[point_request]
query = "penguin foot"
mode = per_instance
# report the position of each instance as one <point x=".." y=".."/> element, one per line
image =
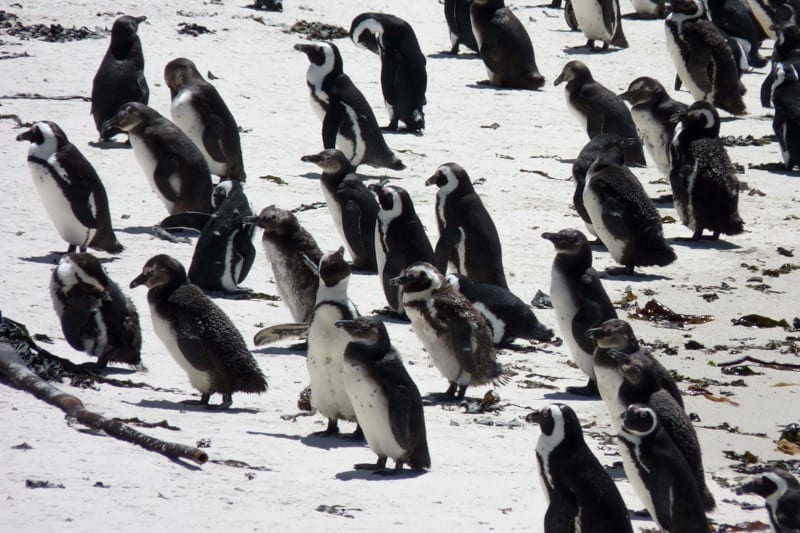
<point x="227" y="401"/>
<point x="590" y="389"/>
<point x="331" y="431"/>
<point x="392" y="126"/>
<point x="380" y="465"/>
<point x="398" y="468"/>
<point x="202" y="401"/>
<point x="589" y="44"/>
<point x="356" y="436"/>
<point x="697" y="235"/>
<point x="449" y="395"/>
<point x="605" y="46"/>
<point x="627" y="270"/>
<point x="597" y="242"/>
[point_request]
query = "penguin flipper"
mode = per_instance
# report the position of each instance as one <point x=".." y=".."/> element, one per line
<point x="787" y="512"/>
<point x="243" y="246"/>
<point x="445" y="247"/>
<point x="399" y="414"/>
<point x="589" y="316"/>
<point x="615" y="214"/>
<point x="164" y="169"/>
<point x="330" y="125"/>
<point x="192" y="343"/>
<point x="75" y="316"/>
<point x="351" y="224"/>
<point x="461" y="340"/>
<point x="144" y="90"/>
<point x="212" y="133"/>
<point x="395" y="263"/>
<point x="699" y="61"/>
<point x="610" y="13"/>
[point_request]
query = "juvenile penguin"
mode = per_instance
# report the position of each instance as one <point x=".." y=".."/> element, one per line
<point x="622" y="214"/>
<point x="456" y="13"/>
<point x="404" y="79"/>
<point x="581" y="495"/>
<point x="70" y="189"/>
<point x="600" y="20"/>
<point x="781" y="491"/>
<point x="505" y="46"/>
<point x="224" y="251"/>
<point x="659" y="474"/>
<point x="454" y="333"/>
<point x="598" y="109"/>
<point x="400" y="239"/>
<point x="509" y="317"/>
<point x="348" y="122"/>
<point x="585" y="158"/>
<point x="704" y="184"/>
<point x="579" y="300"/>
<point x="96" y="317"/>
<point x="352" y="206"/>
<point x="468" y="239"/>
<point x="386" y="400"/>
<point x="120" y="78"/>
<point x="198" y="334"/>
<point x="786" y="124"/>
<point x="173" y="165"/>
<point x="199" y="110"/>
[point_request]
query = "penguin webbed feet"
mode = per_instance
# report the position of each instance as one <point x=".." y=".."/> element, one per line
<point x="378" y="468"/>
<point x="454" y="393"/>
<point x="355" y="436"/>
<point x="204" y="398"/>
<point x="625" y="270"/>
<point x="588" y="390"/>
<point x="331" y="431"/>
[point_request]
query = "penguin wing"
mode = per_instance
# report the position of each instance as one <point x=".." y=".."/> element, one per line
<point x="166" y="167"/>
<point x="85" y="186"/>
<point x="330" y="124"/>
<point x="610" y="13"/>
<point x="353" y="216"/>
<point x="461" y="334"/>
<point x="590" y="103"/>
<point x="193" y="340"/>
<point x="445" y="246"/>
<point x="75" y="316"/>
<point x="244" y="249"/>
<point x="589" y="316"/>
<point x="462" y="322"/>
<point x="390" y="66"/>
<point x="212" y="137"/>
<point x="787" y="513"/>
<point x="701" y="67"/>
<point x="144" y="90"/>
<point x="400" y="406"/>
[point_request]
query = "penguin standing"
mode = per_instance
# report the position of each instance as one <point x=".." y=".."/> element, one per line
<point x="600" y="20"/>
<point x="199" y="110"/>
<point x="781" y="491"/>
<point x="585" y="158"/>
<point x="348" y="122"/>
<point x="173" y="165"/>
<point x="352" y="206"/>
<point x="579" y="300"/>
<point x="404" y="79"/>
<point x="735" y="19"/>
<point x="456" y="13"/>
<point x="581" y="495"/>
<point x="659" y="474"/>
<point x="505" y="46"/>
<point x="386" y="400"/>
<point x="198" y="334"/>
<point x="786" y="50"/>
<point x="704" y="184"/>
<point x="120" y="78"/>
<point x="468" y="238"/>
<point x="598" y="109"/>
<point x="786" y="123"/>
<point x="454" y="333"/>
<point x="96" y="317"/>
<point x="70" y="189"/>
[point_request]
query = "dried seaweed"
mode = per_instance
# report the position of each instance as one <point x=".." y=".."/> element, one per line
<point x="760" y="321"/>
<point x="655" y="311"/>
<point x="53" y="33"/>
<point x="318" y="31"/>
<point x="193" y="29"/>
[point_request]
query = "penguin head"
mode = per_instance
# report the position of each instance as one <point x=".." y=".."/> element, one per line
<point x="771" y="484"/>
<point x="274" y="220"/>
<point x="324" y="57"/>
<point x="449" y="177"/>
<point x="366" y="32"/>
<point x="558" y="422"/>
<point x="419" y="277"/>
<point x="179" y="72"/>
<point x="612" y="156"/>
<point x="689" y="8"/>
<point x="124" y="33"/>
<point x="614" y="333"/>
<point x="643" y="90"/>
<point x="701" y="117"/>
<point x="223" y="190"/>
<point x="160" y="270"/>
<point x="574" y="71"/>
<point x="567" y="241"/>
<point x="331" y="161"/>
<point x="785" y="74"/>
<point x="46" y="138"/>
<point x="82" y="270"/>
<point x="639" y="420"/>
<point x="333" y="269"/>
<point x="129" y="116"/>
<point x="365" y="330"/>
<point x="389" y="197"/>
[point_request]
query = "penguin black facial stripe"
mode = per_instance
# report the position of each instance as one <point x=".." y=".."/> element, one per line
<point x="372" y="26"/>
<point x="387" y="215"/>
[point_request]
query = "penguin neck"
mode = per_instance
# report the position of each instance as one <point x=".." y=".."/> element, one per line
<point x="163" y="291"/>
<point x="334" y="293"/>
<point x="123" y="48"/>
<point x="363" y="352"/>
<point x="332" y="180"/>
<point x="574" y="265"/>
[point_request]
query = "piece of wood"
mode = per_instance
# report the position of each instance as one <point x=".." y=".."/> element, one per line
<point x="769" y="364"/>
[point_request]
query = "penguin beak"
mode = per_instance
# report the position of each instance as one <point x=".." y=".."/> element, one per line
<point x="625" y="96"/>
<point x="141" y="279"/>
<point x="596" y="333"/>
<point x="305" y="48"/>
<point x="432" y="180"/>
<point x="311" y="158"/>
<point x="399" y="281"/>
<point x="345" y="324"/>
<point x="677" y="117"/>
<point x="27" y="135"/>
<point x="141" y="19"/>
<point x="550" y="236"/>
<point x="255" y="220"/>
<point x="536" y="416"/>
<point x="559" y="79"/>
<point x="110" y="124"/>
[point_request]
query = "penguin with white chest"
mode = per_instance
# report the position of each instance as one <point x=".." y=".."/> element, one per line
<point x="386" y="400"/>
<point x="786" y="123"/>
<point x="600" y="20"/>
<point x="456" y="13"/>
<point x="580" y="167"/>
<point x="781" y="491"/>
<point x="72" y="193"/>
<point x="786" y="50"/>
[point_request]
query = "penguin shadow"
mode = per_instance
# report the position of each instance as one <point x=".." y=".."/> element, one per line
<point x="563" y="396"/>
<point x="775" y="168"/>
<point x="149" y="230"/>
<point x="448" y="55"/>
<point x="704" y="244"/>
<point x="110" y="145"/>
<point x="299" y="349"/>
<point x="371" y="475"/>
<point x="178" y="406"/>
<point x="51" y="258"/>
<point x="485" y="85"/>
<point x="663" y="199"/>
<point x="582" y="50"/>
<point x="312" y="440"/>
<point x="618" y="274"/>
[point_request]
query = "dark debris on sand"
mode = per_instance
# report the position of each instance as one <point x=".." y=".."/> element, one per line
<point x="318" y="31"/>
<point x="52" y="33"/>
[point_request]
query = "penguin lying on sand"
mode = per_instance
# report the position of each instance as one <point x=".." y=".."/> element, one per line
<point x="781" y="491"/>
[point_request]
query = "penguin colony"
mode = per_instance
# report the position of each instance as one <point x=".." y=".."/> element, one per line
<point x="355" y="372"/>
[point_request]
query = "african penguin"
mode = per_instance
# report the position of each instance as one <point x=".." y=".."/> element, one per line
<point x="96" y="317"/>
<point x="580" y="493"/>
<point x="70" y="189"/>
<point x="120" y="77"/>
<point x="781" y="491"/>
<point x="650" y="8"/>
<point x="404" y="79"/>
<point x="386" y="400"/>
<point x="786" y="50"/>
<point x="348" y="122"/>
<point x="786" y="123"/>
<point x="199" y="110"/>
<point x="600" y="20"/>
<point x="468" y="239"/>
<point x="771" y="13"/>
<point x="456" y="13"/>
<point x="735" y="19"/>
<point x="585" y="158"/>
<point x="198" y="334"/>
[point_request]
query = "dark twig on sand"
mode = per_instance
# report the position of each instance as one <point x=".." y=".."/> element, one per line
<point x="769" y="364"/>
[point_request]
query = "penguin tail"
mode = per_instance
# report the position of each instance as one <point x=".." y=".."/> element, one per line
<point x="658" y="253"/>
<point x="420" y="458"/>
<point x="735" y="225"/>
<point x="619" y="39"/>
<point x="708" y="499"/>
<point x="498" y="375"/>
<point x="396" y="164"/>
<point x="111" y="246"/>
<point x="252" y="382"/>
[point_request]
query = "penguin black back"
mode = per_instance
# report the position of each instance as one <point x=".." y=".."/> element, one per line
<point x="786" y="123"/>
<point x="585" y="158"/>
<point x="456" y="13"/>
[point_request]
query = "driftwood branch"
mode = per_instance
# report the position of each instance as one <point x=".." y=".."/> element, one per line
<point x="37" y="96"/>
<point x="14" y="368"/>
<point x="769" y="364"/>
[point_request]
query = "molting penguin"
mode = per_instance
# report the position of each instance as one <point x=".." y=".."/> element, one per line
<point x="782" y="494"/>
<point x="468" y="238"/>
<point x="386" y="400"/>
<point x="352" y="206"/>
<point x="659" y="473"/>
<point x="70" y="189"/>
<point x="735" y="19"/>
<point x="598" y="109"/>
<point x="509" y="317"/>
<point x="456" y="12"/>
<point x="786" y="124"/>
<point x="505" y="46"/>
<point x="120" y="78"/>
<point x="581" y="495"/>
<point x="404" y="79"/>
<point x="579" y="300"/>
<point x="96" y="317"/>
<point x="704" y="185"/>
<point x="198" y="334"/>
<point x="348" y="122"/>
<point x="173" y="165"/>
<point x="454" y="333"/>
<point x="600" y="20"/>
<point x="199" y="110"/>
<point x="585" y="158"/>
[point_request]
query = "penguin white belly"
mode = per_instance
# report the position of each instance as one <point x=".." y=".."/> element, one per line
<point x="594" y="207"/>
<point x="609" y="381"/>
<point x="580" y="115"/>
<point x="645" y="7"/>
<point x="674" y="49"/>
<point x="566" y="308"/>
<point x="59" y="208"/>
<point x="787" y="156"/>
<point x="326" y="344"/>
<point x="186" y="117"/>
<point x="438" y="347"/>
<point x="497" y="325"/>
<point x="199" y="379"/>
<point x="97" y="344"/>
<point x="476" y="31"/>
<point x="231" y="267"/>
<point x="762" y="17"/>
<point x="380" y="253"/>
<point x="461" y="250"/>
<point x="655" y="137"/>
<point x="148" y="163"/>
<point x="589" y="15"/>
<point x="632" y="473"/>
<point x="336" y="213"/>
<point x="284" y="282"/>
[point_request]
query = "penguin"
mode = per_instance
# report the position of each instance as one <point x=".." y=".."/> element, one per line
<point x="786" y="50"/>
<point x="735" y="19"/>
<point x="404" y="79"/>
<point x="400" y="239"/>
<point x="772" y="13"/>
<point x="454" y="333"/>
<point x="786" y="123"/>
<point x="198" y="334"/>
<point x="386" y="400"/>
<point x="598" y="109"/>
<point x="96" y="317"/>
<point x="581" y="495"/>
<point x="702" y="57"/>
<point x="285" y="244"/>
<point x="224" y="251"/>
<point x="585" y="158"/>
<point x="579" y="300"/>
<point x="468" y="238"/>
<point x="120" y="77"/>
<point x="70" y="189"/>
<point x="456" y="13"/>
<point x="659" y="474"/>
<point x="781" y="491"/>
<point x="351" y="204"/>
<point x="651" y="110"/>
<point x="704" y="185"/>
<point x="600" y="20"/>
<point x="508" y="317"/>
<point x="505" y="46"/>
<point x="650" y="8"/>
<point x="198" y="109"/>
<point x="173" y="165"/>
<point x="327" y="343"/>
<point x="347" y="119"/>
